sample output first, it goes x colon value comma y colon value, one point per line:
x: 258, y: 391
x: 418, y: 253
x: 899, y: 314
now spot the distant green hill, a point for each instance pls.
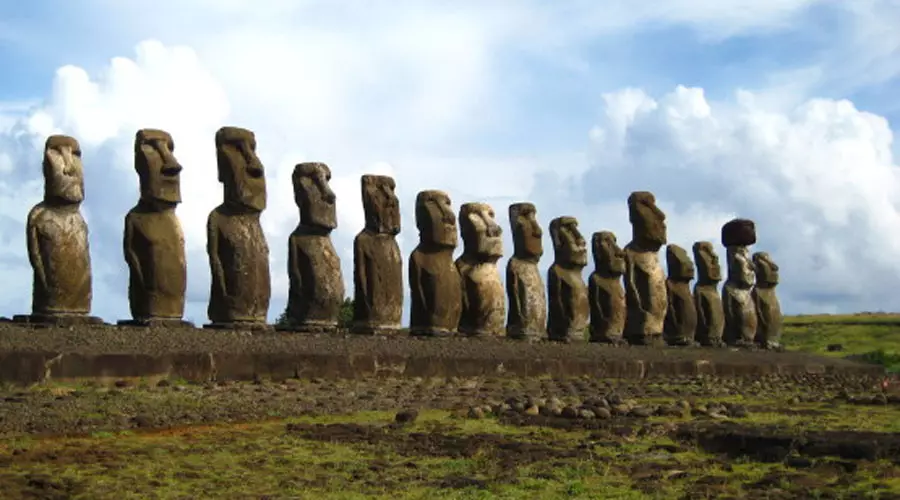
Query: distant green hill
x: 869, y: 337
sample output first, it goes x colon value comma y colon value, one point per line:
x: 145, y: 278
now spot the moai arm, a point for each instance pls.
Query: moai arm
x: 131, y: 258
x: 419, y: 281
x: 513, y: 292
x: 34, y: 250
x: 595, y: 297
x: 702, y: 306
x: 212, y: 248
x: 671, y: 309
x: 554, y: 285
x: 362, y: 268
x: 762, y: 316
x: 631, y: 284
x: 294, y: 273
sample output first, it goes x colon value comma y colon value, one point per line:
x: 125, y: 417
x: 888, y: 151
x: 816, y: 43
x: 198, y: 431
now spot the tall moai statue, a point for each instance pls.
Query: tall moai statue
x: 316, y: 289
x: 57, y: 239
x: 154, y: 241
x: 527, y: 317
x: 737, y: 300
x: 707, y: 300
x: 605, y: 291
x: 434, y: 282
x: 768, y: 309
x: 483, y: 301
x: 377, y: 263
x: 681, y: 315
x: 567, y: 294
x: 645, y: 282
x: 236, y: 245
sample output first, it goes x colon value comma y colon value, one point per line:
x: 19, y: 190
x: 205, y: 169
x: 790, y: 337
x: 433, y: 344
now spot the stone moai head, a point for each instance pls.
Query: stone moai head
x: 679, y: 263
x: 63, y: 171
x: 708, y: 268
x: 609, y: 258
x: 569, y: 247
x: 314, y: 196
x: 240, y: 170
x: 481, y: 235
x: 380, y: 204
x: 435, y: 219
x: 766, y: 270
x: 158, y: 171
x: 648, y: 222
x: 526, y: 232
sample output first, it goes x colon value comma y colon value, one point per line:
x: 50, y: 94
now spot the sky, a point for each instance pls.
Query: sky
x: 780, y: 111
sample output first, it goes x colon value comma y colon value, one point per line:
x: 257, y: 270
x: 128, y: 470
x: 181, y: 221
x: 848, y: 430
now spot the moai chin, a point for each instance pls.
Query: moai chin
x: 567, y: 293
x: 645, y: 282
x: 707, y: 300
x: 316, y: 285
x: 527, y: 318
x: 483, y: 301
x: 377, y: 263
x: 236, y: 245
x: 153, y: 240
x: 434, y: 282
x: 768, y: 308
x: 605, y: 291
x: 57, y: 239
x: 737, y: 300
x: 681, y: 316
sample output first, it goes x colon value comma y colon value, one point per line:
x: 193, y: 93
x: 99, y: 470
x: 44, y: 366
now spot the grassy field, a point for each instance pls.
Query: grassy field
x: 869, y: 337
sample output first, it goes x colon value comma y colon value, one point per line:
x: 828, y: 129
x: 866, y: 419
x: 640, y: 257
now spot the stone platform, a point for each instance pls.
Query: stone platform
x: 30, y: 355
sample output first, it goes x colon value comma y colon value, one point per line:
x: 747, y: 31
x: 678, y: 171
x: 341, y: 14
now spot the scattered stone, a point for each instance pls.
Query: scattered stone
x: 476, y: 412
x: 407, y: 416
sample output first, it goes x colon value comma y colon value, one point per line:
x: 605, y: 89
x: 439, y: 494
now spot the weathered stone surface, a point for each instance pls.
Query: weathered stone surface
x: 568, y: 307
x: 236, y: 245
x: 605, y: 291
x: 707, y: 300
x: 527, y: 318
x: 739, y: 232
x: 768, y: 309
x: 57, y: 237
x: 737, y: 300
x: 377, y: 263
x: 434, y: 282
x: 681, y: 316
x: 645, y: 282
x: 483, y: 301
x: 316, y: 289
x: 154, y: 242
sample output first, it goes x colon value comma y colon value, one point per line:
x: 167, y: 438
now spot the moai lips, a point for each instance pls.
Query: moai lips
x: 707, y: 300
x: 768, y: 308
x: 645, y: 282
x: 434, y: 282
x: 737, y: 301
x: 568, y: 305
x: 605, y: 291
x: 527, y: 317
x: 57, y: 239
x: 377, y: 263
x: 681, y: 316
x: 154, y: 241
x: 236, y: 245
x: 483, y: 301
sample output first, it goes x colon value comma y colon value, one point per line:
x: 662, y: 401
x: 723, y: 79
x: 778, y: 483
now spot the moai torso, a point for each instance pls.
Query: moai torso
x: 605, y: 291
x: 153, y: 240
x: 377, y: 263
x: 236, y: 245
x: 525, y: 291
x: 768, y: 309
x: 707, y: 300
x: 316, y: 284
x: 567, y: 294
x: 737, y: 299
x: 483, y: 300
x: 681, y: 315
x: 57, y: 235
x: 434, y: 282
x: 645, y: 282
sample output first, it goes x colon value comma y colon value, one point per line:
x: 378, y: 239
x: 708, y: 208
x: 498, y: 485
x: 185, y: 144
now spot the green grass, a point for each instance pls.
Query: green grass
x: 873, y: 338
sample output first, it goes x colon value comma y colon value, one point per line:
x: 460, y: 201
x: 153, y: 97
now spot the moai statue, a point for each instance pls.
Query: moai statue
x: 645, y: 282
x: 237, y: 248
x: 316, y: 289
x: 768, y: 309
x: 57, y: 238
x: 527, y: 318
x: 707, y: 301
x: 377, y: 263
x: 737, y: 300
x: 681, y: 315
x: 605, y: 290
x: 154, y: 242
x: 567, y: 293
x: 434, y: 282
x: 483, y: 301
